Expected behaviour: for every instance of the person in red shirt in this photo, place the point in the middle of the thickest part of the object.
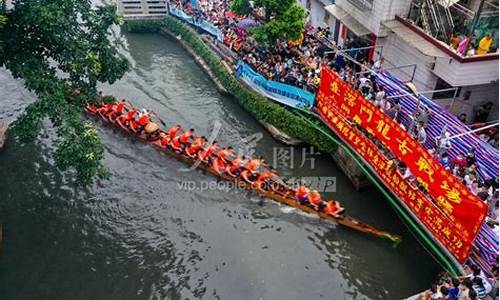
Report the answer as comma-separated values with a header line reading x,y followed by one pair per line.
x,y
459,161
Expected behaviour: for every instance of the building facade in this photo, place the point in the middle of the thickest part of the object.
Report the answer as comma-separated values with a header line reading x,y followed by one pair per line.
x,y
142,9
404,37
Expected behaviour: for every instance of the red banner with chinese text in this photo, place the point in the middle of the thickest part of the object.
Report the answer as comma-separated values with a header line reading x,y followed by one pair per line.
x,y
337,99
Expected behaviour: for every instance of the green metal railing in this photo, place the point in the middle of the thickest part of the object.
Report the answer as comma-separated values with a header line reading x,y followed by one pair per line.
x,y
442,258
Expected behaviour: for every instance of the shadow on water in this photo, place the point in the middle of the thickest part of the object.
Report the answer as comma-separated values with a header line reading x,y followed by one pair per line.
x,y
141,235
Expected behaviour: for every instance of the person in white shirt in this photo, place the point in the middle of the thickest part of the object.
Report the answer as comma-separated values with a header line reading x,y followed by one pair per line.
x,y
378,64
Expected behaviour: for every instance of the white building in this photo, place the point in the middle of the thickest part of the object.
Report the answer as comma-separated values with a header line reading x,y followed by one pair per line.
x,y
386,23
142,9
318,16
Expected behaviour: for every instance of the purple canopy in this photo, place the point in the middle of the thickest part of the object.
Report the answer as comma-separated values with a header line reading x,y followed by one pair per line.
x,y
246,23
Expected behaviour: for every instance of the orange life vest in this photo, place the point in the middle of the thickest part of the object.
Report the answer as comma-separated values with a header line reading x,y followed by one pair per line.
x,y
331,208
222,154
176,144
265,176
172,132
206,153
218,165
186,136
119,107
144,120
235,164
253,165
195,146
164,140
301,192
314,198
131,114
108,106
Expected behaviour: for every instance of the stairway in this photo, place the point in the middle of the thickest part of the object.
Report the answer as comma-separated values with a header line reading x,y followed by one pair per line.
x,y
436,18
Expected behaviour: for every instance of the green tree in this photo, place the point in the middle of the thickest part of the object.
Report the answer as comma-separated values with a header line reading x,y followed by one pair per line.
x,y
282,18
61,49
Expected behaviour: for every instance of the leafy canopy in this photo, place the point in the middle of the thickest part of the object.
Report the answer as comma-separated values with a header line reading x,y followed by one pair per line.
x,y
61,49
282,18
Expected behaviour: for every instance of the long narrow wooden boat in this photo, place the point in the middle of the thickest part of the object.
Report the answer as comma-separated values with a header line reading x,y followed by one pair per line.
x,y
285,196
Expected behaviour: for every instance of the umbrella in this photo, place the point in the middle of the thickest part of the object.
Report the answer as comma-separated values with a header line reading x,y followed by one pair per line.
x,y
246,23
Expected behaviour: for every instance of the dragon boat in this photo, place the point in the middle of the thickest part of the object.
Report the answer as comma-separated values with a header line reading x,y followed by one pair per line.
x,y
281,192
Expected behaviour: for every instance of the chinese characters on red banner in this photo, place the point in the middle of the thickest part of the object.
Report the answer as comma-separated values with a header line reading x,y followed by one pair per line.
x,y
454,215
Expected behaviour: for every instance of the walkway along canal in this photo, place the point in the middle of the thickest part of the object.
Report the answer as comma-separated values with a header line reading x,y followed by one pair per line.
x,y
141,235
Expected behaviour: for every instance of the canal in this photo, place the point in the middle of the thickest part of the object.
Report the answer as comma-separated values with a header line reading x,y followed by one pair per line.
x,y
141,235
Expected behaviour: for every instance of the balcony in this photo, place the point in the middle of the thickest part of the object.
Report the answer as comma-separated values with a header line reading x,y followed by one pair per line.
x,y
449,65
362,5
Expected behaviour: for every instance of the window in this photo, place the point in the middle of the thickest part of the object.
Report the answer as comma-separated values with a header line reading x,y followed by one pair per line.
x,y
440,85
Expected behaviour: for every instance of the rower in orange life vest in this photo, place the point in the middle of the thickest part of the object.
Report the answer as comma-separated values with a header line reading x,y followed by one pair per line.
x,y
221,159
263,178
143,120
205,154
164,140
129,119
333,208
195,146
186,137
302,194
250,172
172,132
315,200
105,109
117,109
235,167
174,139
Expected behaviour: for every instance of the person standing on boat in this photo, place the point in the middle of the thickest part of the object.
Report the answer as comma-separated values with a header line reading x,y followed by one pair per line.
x,y
302,194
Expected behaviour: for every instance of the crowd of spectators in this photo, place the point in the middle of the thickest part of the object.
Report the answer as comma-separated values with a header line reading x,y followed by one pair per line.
x,y
475,286
469,46
298,63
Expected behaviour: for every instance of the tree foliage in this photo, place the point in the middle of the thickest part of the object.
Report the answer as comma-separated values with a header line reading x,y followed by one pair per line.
x,y
61,49
282,18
